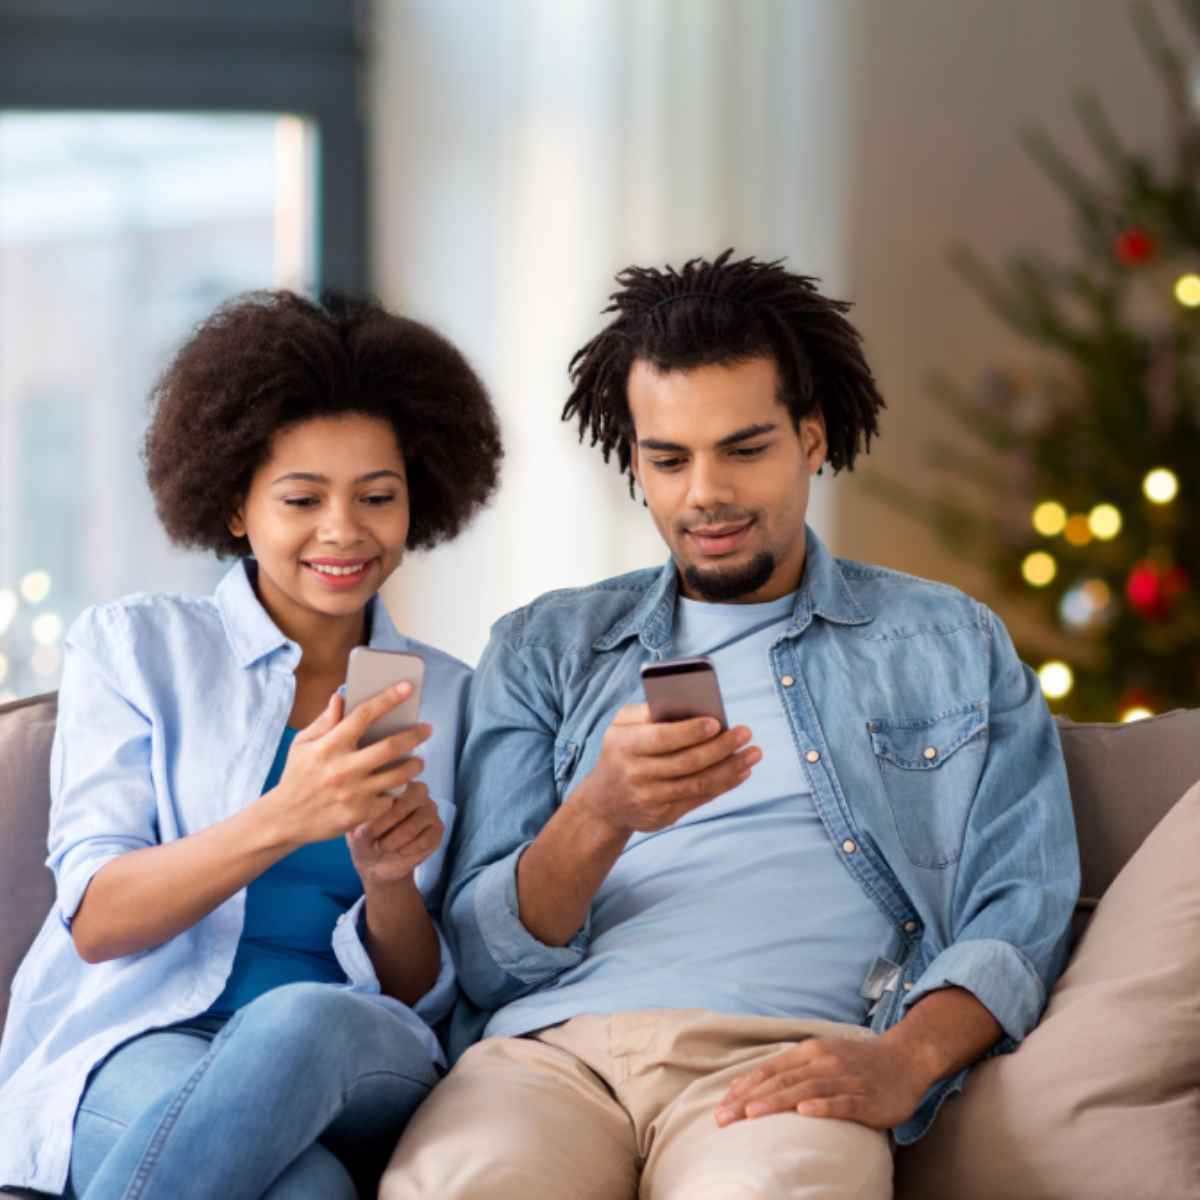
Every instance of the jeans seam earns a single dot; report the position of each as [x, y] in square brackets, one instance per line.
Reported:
[137, 1185]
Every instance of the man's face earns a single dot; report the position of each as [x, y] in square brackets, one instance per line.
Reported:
[726, 475]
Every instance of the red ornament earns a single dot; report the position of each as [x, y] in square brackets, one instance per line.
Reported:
[1152, 586]
[1134, 247]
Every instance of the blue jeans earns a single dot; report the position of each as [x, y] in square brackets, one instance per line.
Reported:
[303, 1093]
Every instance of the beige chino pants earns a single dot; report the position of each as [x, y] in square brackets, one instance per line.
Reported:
[612, 1108]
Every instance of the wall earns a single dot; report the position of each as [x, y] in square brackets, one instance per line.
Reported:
[525, 150]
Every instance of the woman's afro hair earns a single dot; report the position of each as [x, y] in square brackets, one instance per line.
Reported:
[268, 360]
[718, 314]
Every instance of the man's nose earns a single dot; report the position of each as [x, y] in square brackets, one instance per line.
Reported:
[709, 485]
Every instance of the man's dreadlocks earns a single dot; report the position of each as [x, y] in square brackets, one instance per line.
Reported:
[718, 314]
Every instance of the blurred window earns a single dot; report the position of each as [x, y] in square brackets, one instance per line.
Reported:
[118, 232]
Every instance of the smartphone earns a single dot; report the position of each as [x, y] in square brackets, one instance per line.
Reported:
[374, 671]
[681, 688]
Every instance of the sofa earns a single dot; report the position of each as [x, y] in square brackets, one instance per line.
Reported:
[1101, 1101]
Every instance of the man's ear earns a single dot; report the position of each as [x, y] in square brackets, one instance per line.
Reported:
[814, 440]
[635, 464]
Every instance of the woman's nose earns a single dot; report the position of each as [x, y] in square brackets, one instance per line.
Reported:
[341, 525]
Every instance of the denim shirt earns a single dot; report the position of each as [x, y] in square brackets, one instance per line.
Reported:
[170, 714]
[932, 758]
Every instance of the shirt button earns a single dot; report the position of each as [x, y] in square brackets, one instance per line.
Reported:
[910, 926]
[787, 681]
[908, 987]
[930, 752]
[849, 846]
[813, 756]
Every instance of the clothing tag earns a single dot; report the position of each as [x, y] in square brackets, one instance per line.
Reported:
[882, 977]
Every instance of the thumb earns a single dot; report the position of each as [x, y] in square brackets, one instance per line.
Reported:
[331, 715]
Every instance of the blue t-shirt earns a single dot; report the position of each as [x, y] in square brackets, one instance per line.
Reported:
[291, 911]
[741, 907]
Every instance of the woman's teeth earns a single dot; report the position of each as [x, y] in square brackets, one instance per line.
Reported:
[337, 570]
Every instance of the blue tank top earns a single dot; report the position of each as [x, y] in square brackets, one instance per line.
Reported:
[291, 911]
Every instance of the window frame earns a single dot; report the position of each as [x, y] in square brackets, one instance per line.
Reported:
[297, 56]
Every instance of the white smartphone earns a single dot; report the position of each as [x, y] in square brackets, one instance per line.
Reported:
[374, 671]
[681, 688]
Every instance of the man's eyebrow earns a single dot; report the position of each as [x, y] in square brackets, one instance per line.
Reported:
[744, 435]
[312, 477]
[656, 444]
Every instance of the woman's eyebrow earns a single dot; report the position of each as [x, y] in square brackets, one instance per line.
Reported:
[312, 477]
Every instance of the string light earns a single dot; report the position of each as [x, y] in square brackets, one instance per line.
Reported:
[1039, 569]
[35, 587]
[1135, 714]
[46, 629]
[1105, 522]
[1078, 531]
[1049, 518]
[1057, 679]
[1161, 486]
[1187, 291]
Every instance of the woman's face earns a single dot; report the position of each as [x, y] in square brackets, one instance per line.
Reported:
[326, 516]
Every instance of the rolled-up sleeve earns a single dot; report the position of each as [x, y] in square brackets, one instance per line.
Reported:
[103, 799]
[506, 793]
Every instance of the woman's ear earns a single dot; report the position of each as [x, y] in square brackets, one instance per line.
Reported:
[236, 520]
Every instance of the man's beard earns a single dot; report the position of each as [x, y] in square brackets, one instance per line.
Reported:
[723, 585]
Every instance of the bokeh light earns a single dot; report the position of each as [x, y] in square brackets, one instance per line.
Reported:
[1049, 518]
[1161, 486]
[45, 660]
[1039, 569]
[46, 629]
[35, 587]
[1187, 290]
[8, 608]
[1135, 714]
[1057, 679]
[1077, 530]
[1105, 522]
[1085, 607]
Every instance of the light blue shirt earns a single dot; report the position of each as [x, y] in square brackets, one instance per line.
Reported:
[170, 714]
[929, 753]
[742, 906]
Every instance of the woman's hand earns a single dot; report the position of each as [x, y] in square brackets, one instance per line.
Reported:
[391, 847]
[330, 787]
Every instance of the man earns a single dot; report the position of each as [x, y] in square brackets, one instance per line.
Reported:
[711, 966]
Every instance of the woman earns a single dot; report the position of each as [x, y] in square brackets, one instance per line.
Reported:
[235, 994]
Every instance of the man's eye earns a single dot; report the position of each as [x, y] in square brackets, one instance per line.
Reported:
[749, 451]
[665, 464]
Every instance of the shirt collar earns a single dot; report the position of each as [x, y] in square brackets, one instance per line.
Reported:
[823, 592]
[253, 635]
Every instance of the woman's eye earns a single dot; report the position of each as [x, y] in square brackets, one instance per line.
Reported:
[300, 501]
[379, 501]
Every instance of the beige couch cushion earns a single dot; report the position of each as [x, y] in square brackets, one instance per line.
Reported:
[26, 886]
[1103, 1100]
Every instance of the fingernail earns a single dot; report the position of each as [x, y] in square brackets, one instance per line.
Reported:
[724, 1116]
[743, 736]
[711, 728]
[805, 1110]
[757, 1109]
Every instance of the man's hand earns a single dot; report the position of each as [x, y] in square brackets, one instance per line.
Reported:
[869, 1082]
[646, 778]
[878, 1083]
[648, 775]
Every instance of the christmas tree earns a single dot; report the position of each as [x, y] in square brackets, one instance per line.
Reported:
[1088, 466]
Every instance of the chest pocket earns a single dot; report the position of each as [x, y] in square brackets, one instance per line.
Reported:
[930, 771]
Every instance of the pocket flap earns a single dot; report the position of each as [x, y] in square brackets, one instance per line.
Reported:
[922, 745]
